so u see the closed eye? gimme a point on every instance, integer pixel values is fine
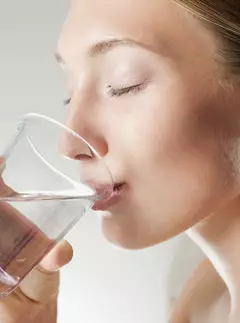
(125, 90)
(112, 92)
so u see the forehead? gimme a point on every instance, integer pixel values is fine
(159, 25)
(116, 12)
(91, 21)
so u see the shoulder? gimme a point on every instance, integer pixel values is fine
(201, 292)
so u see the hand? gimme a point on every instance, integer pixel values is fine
(36, 298)
(35, 301)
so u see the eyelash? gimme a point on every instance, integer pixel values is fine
(125, 90)
(67, 101)
(117, 92)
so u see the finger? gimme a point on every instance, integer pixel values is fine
(42, 284)
(60, 256)
(5, 190)
(2, 164)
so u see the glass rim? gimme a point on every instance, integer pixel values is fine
(21, 130)
(20, 127)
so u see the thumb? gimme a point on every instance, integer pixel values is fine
(2, 164)
(42, 284)
(5, 190)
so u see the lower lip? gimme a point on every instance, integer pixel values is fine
(105, 204)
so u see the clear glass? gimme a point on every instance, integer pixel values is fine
(51, 177)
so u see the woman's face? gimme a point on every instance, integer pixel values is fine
(141, 79)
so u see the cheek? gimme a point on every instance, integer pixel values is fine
(170, 144)
(172, 130)
(165, 124)
(159, 127)
(176, 167)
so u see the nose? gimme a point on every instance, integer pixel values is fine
(88, 140)
(74, 147)
(93, 173)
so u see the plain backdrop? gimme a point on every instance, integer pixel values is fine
(103, 284)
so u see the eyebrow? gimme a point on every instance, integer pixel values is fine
(103, 47)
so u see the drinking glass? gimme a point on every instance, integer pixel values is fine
(52, 176)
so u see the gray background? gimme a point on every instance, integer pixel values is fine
(102, 284)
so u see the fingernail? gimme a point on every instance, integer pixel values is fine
(46, 271)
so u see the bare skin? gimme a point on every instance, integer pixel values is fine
(205, 298)
(146, 94)
(152, 103)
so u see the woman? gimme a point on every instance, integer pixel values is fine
(154, 87)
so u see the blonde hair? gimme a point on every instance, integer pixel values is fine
(223, 17)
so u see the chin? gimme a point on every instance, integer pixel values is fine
(125, 237)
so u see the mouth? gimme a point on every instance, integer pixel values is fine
(105, 203)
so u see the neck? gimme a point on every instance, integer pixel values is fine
(219, 238)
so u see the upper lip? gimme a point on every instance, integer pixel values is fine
(105, 191)
(105, 202)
